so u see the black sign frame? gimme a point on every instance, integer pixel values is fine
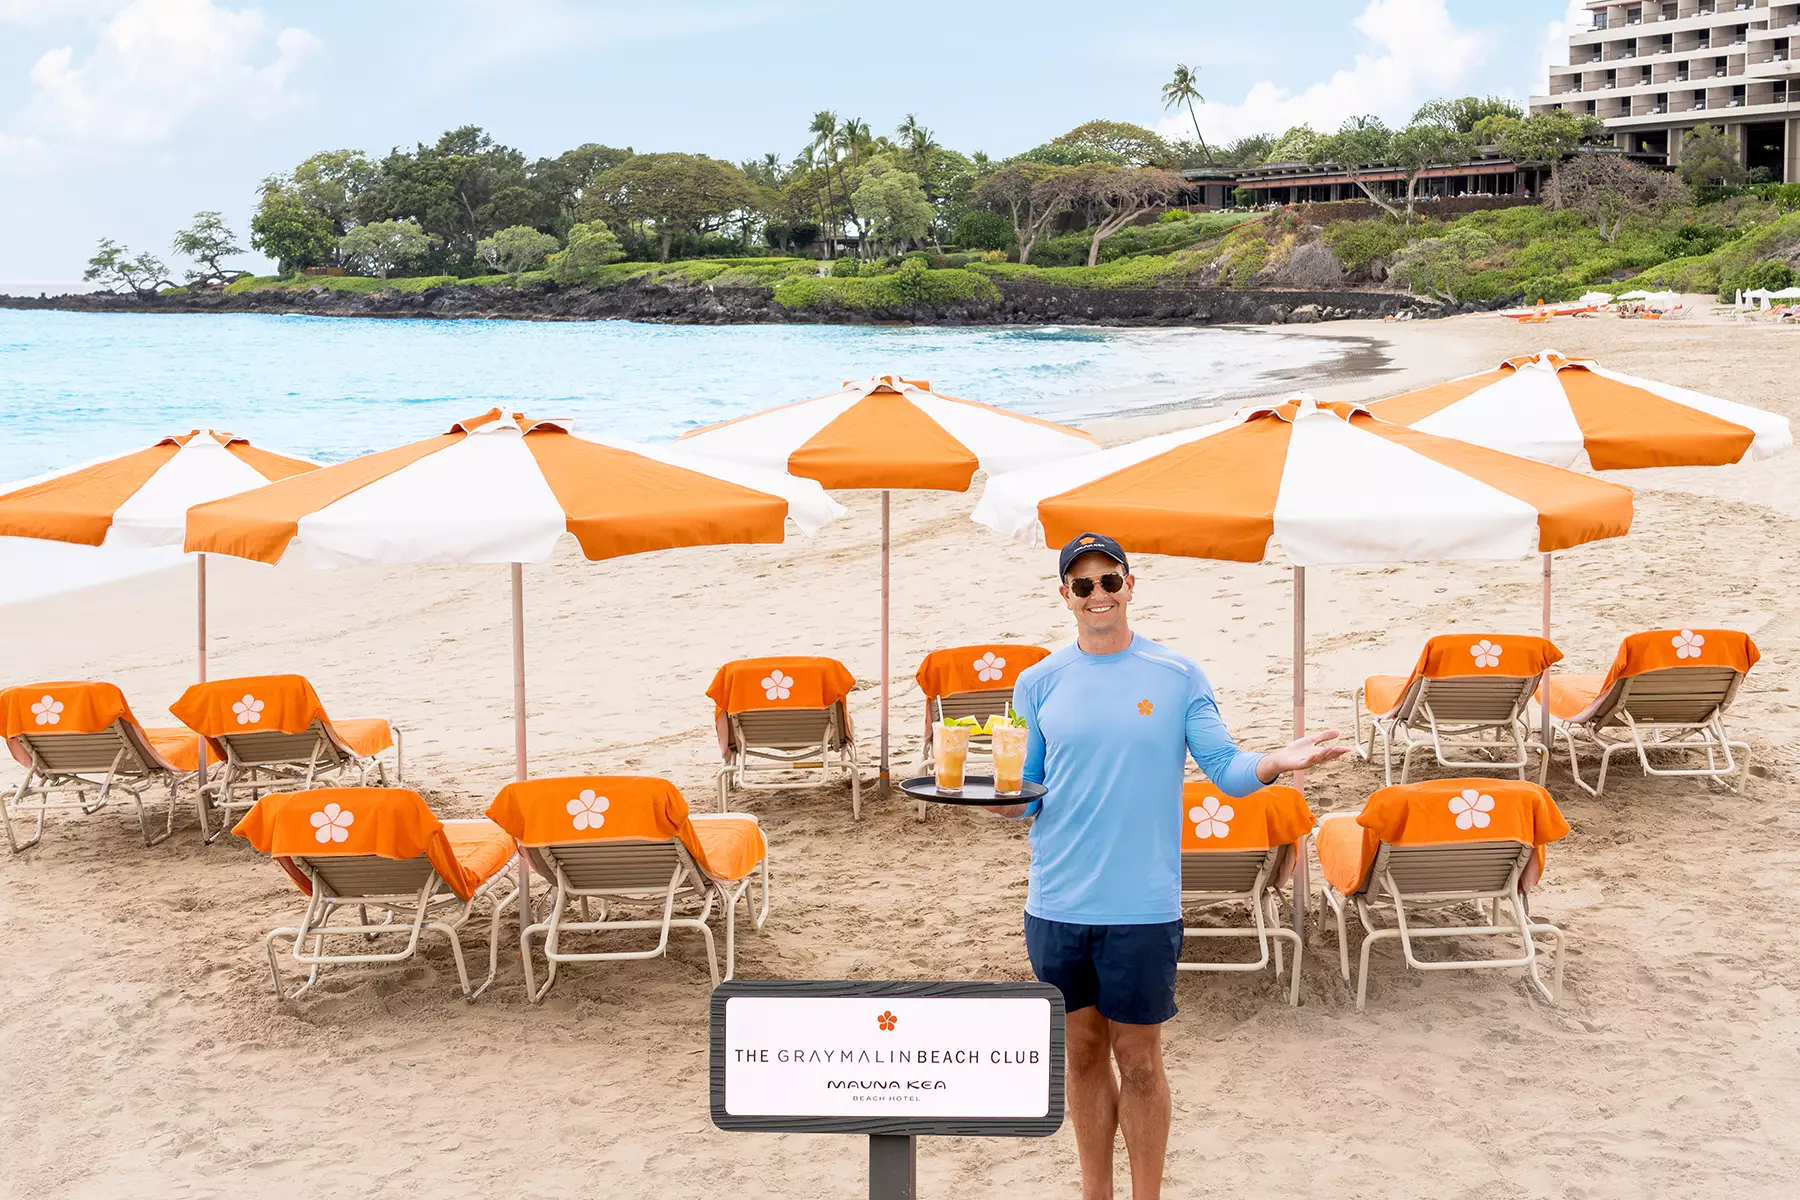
(1043, 1126)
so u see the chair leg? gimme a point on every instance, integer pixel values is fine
(6, 815)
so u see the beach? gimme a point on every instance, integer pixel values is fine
(147, 1056)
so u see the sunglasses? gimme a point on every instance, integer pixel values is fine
(1083, 587)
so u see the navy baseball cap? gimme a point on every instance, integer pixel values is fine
(1089, 543)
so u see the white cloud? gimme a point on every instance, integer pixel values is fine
(35, 13)
(1555, 47)
(1417, 53)
(155, 66)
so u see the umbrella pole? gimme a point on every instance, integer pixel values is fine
(518, 665)
(1302, 885)
(200, 589)
(884, 642)
(1544, 690)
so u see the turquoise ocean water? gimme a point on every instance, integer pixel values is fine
(78, 386)
(74, 386)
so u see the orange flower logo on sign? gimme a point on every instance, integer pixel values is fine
(1145, 708)
(887, 1021)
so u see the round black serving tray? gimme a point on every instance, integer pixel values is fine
(976, 790)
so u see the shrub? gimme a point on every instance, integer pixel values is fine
(845, 268)
(1175, 216)
(1361, 243)
(516, 249)
(983, 231)
(1768, 274)
(592, 247)
(912, 284)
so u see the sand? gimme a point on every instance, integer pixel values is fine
(144, 1054)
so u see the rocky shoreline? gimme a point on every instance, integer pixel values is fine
(701, 304)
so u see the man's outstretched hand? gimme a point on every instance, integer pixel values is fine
(1300, 755)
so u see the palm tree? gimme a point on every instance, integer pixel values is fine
(826, 133)
(920, 143)
(1181, 90)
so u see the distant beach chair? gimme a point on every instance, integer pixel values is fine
(1667, 693)
(1431, 846)
(271, 731)
(629, 841)
(1467, 693)
(1242, 850)
(382, 849)
(79, 743)
(970, 681)
(783, 723)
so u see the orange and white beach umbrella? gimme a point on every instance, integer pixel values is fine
(504, 489)
(139, 500)
(1560, 410)
(889, 434)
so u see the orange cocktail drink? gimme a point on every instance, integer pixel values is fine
(1009, 758)
(950, 752)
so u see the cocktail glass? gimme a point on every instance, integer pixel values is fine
(950, 751)
(1009, 759)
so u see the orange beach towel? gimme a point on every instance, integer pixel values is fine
(781, 681)
(82, 707)
(975, 668)
(277, 703)
(1455, 655)
(392, 823)
(1655, 650)
(585, 808)
(1439, 812)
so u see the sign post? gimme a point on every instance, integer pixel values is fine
(889, 1059)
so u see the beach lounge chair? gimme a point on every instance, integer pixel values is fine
(1466, 695)
(628, 841)
(271, 731)
(969, 681)
(1433, 845)
(1242, 850)
(783, 724)
(382, 850)
(79, 744)
(1666, 694)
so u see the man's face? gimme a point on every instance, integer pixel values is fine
(1100, 611)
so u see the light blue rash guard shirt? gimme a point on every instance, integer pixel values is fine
(1110, 736)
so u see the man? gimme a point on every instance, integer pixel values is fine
(1113, 718)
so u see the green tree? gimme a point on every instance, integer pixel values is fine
(1542, 137)
(1419, 147)
(1709, 155)
(516, 249)
(1252, 150)
(1360, 146)
(113, 267)
(1440, 265)
(675, 193)
(1183, 88)
(458, 190)
(290, 231)
(1032, 193)
(1118, 141)
(563, 181)
(1608, 188)
(1295, 146)
(1464, 114)
(894, 205)
(208, 241)
(330, 183)
(1117, 196)
(383, 247)
(591, 247)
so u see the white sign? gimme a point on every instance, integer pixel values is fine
(899, 1056)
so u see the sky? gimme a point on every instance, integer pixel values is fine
(122, 118)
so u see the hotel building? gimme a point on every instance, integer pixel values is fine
(1653, 69)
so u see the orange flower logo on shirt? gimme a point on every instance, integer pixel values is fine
(1145, 708)
(887, 1021)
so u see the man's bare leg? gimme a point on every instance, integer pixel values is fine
(1093, 1096)
(1144, 1110)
